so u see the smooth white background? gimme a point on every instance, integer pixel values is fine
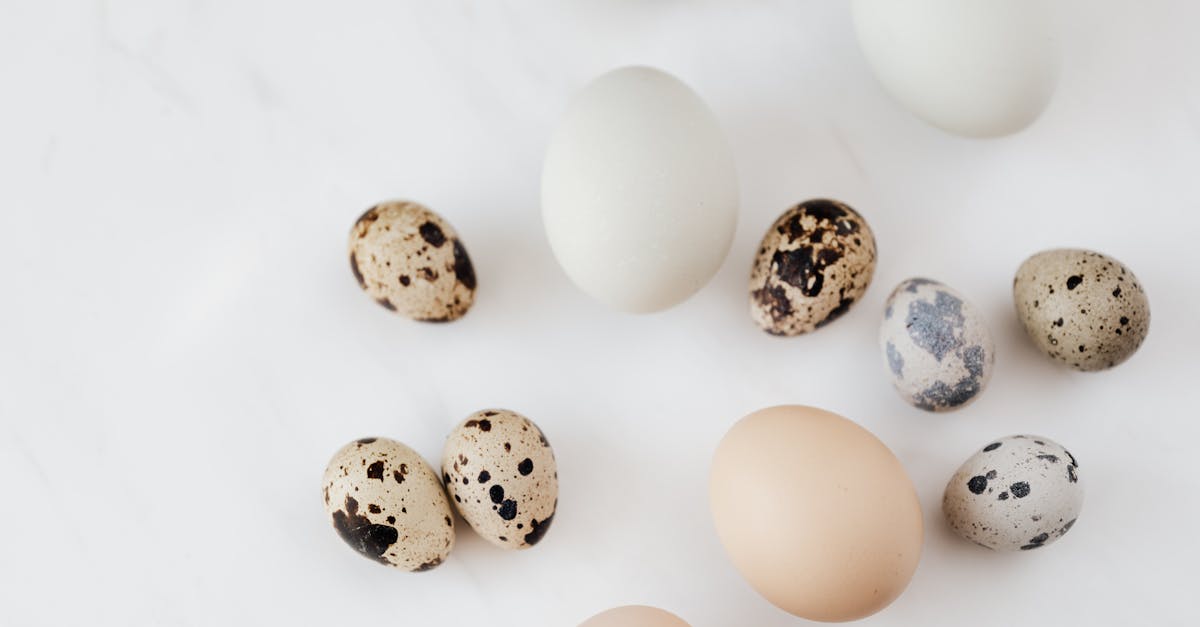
(182, 345)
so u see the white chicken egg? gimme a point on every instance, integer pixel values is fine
(981, 68)
(639, 191)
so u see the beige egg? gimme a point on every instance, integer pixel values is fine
(635, 616)
(502, 477)
(411, 261)
(388, 504)
(1082, 308)
(815, 512)
(812, 265)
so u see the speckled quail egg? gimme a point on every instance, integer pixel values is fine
(388, 504)
(1082, 308)
(1020, 492)
(411, 261)
(502, 477)
(815, 261)
(936, 345)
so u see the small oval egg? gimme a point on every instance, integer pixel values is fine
(982, 68)
(635, 616)
(936, 346)
(639, 191)
(1082, 308)
(1017, 493)
(411, 261)
(815, 261)
(388, 504)
(815, 512)
(502, 477)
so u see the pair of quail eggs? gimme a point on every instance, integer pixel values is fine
(1081, 308)
(498, 472)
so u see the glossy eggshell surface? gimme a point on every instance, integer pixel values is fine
(634, 616)
(639, 191)
(411, 261)
(980, 68)
(1082, 308)
(502, 477)
(388, 504)
(815, 261)
(936, 345)
(1022, 492)
(815, 512)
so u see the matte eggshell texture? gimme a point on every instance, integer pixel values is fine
(1018, 493)
(388, 504)
(936, 346)
(816, 260)
(639, 191)
(502, 477)
(978, 68)
(1082, 308)
(411, 261)
(634, 616)
(815, 512)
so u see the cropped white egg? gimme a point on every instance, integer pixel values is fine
(981, 68)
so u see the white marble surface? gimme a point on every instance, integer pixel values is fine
(182, 345)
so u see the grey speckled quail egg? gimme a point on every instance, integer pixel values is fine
(411, 261)
(815, 261)
(1082, 308)
(388, 504)
(1020, 492)
(936, 345)
(502, 477)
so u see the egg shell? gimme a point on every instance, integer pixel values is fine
(1022, 492)
(1082, 308)
(388, 504)
(815, 512)
(502, 477)
(411, 261)
(936, 345)
(639, 191)
(635, 616)
(979, 68)
(814, 262)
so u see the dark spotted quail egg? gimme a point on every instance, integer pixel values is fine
(815, 261)
(936, 345)
(1017, 493)
(1081, 308)
(411, 261)
(388, 504)
(502, 477)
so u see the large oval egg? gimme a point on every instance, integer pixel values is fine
(815, 512)
(981, 68)
(639, 191)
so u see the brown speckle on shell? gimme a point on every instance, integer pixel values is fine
(400, 257)
(816, 261)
